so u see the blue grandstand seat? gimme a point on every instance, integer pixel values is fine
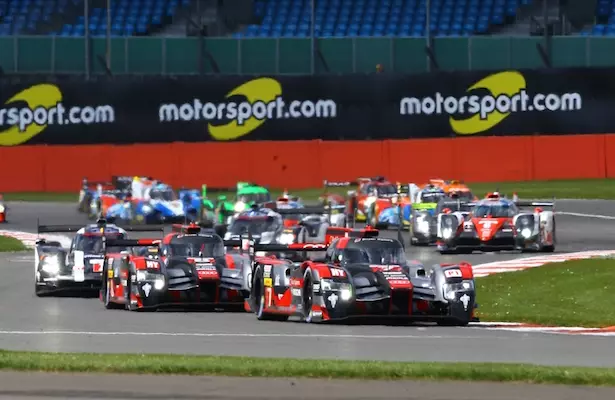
(128, 17)
(393, 18)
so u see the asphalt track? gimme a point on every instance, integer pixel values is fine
(83, 325)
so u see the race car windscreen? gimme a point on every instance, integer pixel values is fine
(504, 210)
(377, 253)
(165, 195)
(93, 244)
(464, 195)
(197, 246)
(431, 197)
(255, 226)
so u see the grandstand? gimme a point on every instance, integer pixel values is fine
(291, 18)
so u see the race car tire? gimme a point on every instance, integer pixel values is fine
(258, 295)
(109, 305)
(551, 249)
(452, 322)
(307, 296)
(39, 292)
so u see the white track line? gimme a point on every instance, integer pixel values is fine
(574, 214)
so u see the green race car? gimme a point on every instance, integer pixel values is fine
(224, 208)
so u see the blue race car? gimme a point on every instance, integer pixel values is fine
(160, 205)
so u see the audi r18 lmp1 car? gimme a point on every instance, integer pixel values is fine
(188, 268)
(365, 277)
(80, 266)
(497, 223)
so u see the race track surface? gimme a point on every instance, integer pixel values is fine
(40, 386)
(80, 324)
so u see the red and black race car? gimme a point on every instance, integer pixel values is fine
(361, 277)
(189, 267)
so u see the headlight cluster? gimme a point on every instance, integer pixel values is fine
(51, 264)
(345, 289)
(525, 226)
(158, 279)
(451, 289)
(448, 226)
(422, 224)
(1, 208)
(287, 238)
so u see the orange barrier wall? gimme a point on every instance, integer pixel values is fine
(304, 164)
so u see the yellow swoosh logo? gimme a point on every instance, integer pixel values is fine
(506, 83)
(263, 89)
(38, 96)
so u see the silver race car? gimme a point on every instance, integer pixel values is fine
(80, 266)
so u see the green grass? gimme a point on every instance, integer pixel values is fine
(572, 293)
(564, 189)
(270, 367)
(8, 244)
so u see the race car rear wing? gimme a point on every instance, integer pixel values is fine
(101, 223)
(337, 232)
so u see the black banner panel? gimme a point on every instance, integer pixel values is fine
(345, 107)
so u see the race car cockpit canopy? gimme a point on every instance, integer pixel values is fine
(495, 209)
(375, 251)
(382, 189)
(162, 192)
(430, 195)
(255, 225)
(92, 243)
(197, 245)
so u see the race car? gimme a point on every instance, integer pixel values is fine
(267, 225)
(157, 204)
(423, 210)
(96, 197)
(3, 209)
(362, 278)
(424, 228)
(497, 223)
(80, 266)
(377, 201)
(191, 269)
(454, 186)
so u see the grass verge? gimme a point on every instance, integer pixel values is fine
(565, 189)
(270, 367)
(572, 293)
(8, 244)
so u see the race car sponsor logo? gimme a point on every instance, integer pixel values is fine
(43, 106)
(453, 273)
(474, 113)
(229, 120)
(207, 271)
(338, 272)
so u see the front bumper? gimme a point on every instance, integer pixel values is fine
(91, 282)
(399, 306)
(471, 241)
(202, 296)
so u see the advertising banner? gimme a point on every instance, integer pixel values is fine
(328, 107)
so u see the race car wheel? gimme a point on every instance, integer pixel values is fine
(308, 296)
(551, 249)
(452, 322)
(109, 305)
(258, 296)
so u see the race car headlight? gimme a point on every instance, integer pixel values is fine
(526, 233)
(1, 208)
(249, 280)
(450, 289)
(51, 265)
(227, 236)
(143, 276)
(447, 233)
(159, 283)
(422, 224)
(287, 238)
(344, 289)
(239, 207)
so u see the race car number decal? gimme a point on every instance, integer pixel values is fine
(453, 273)
(337, 272)
(97, 265)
